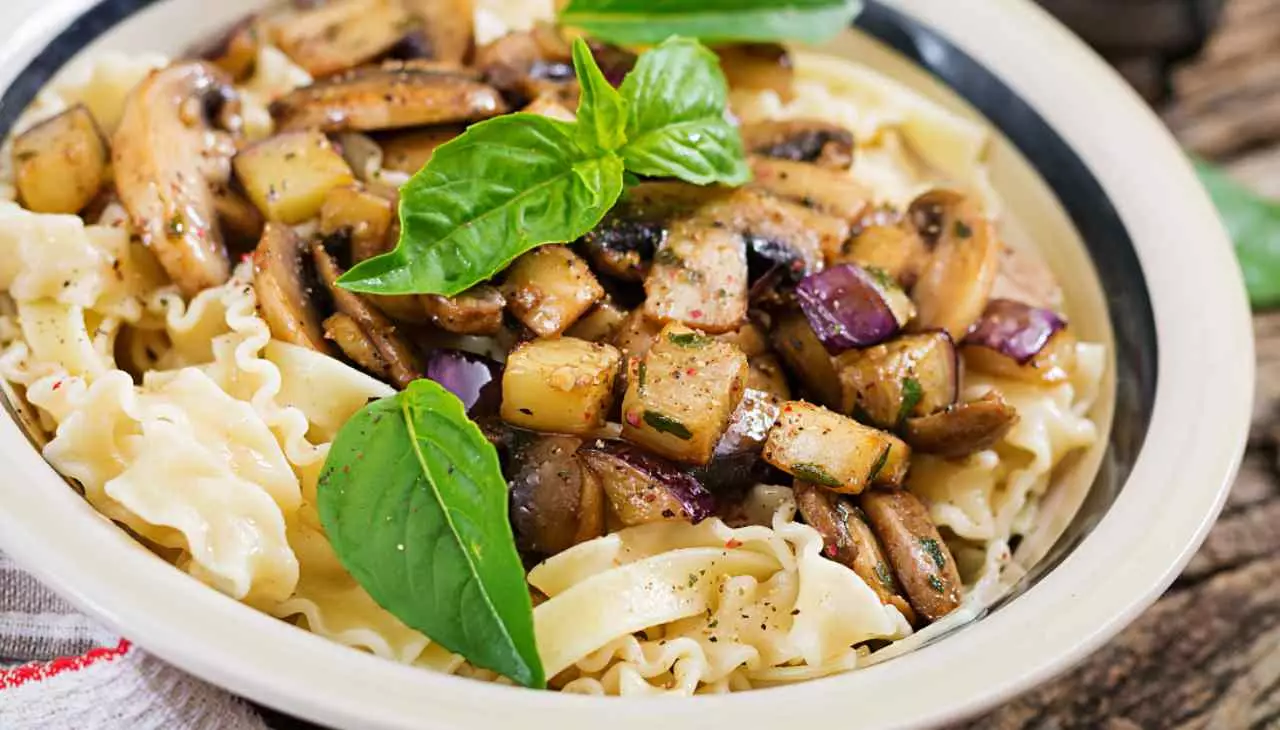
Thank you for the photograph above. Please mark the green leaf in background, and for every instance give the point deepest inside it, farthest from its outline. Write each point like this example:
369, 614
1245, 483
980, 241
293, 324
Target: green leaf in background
602, 112
503, 187
676, 126
413, 501
651, 21
1254, 224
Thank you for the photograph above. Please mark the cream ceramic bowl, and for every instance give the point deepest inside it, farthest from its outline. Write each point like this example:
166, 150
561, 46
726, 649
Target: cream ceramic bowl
1090, 178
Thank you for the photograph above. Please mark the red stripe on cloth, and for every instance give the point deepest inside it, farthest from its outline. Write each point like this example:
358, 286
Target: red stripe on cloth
38, 671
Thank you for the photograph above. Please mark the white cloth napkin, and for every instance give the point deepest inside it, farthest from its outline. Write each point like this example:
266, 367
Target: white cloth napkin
60, 671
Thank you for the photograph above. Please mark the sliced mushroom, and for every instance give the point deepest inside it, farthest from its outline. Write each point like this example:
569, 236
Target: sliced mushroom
556, 501
409, 152
758, 67
447, 28
530, 64
172, 146
801, 140
391, 96
242, 222
403, 364
956, 283
848, 540
832, 192
284, 285
476, 311
962, 429
795, 232
338, 35
919, 557
355, 344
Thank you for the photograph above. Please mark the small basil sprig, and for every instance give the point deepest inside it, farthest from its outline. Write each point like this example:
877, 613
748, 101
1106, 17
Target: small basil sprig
649, 21
413, 501
510, 184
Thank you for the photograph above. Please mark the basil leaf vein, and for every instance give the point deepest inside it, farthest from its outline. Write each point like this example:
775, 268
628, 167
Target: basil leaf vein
413, 501
651, 21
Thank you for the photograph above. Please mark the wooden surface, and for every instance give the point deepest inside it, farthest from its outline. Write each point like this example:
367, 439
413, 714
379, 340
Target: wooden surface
1208, 654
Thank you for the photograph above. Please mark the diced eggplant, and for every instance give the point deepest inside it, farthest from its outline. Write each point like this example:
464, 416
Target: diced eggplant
834, 452
637, 334
807, 358
556, 500
476, 311
403, 364
766, 374
962, 429
285, 287
833, 192
409, 152
289, 176
356, 345
561, 385
1024, 277
758, 67
476, 380
801, 140
601, 324
847, 539
549, 288
893, 470
391, 96
699, 278
736, 462
622, 247
1018, 341
749, 338
338, 35
920, 558
887, 241
447, 28
681, 395
954, 286
848, 306
641, 488
615, 62
60, 164
908, 377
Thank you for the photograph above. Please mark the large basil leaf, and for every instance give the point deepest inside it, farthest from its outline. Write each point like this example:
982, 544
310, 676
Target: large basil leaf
651, 21
503, 187
413, 501
1254, 224
602, 112
676, 125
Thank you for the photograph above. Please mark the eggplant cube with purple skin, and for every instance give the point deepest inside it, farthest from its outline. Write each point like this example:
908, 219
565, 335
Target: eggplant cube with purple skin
832, 451
562, 385
681, 394
849, 306
913, 375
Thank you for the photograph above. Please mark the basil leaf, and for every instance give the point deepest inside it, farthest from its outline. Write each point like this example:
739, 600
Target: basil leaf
676, 125
1254, 224
650, 21
414, 503
602, 112
503, 187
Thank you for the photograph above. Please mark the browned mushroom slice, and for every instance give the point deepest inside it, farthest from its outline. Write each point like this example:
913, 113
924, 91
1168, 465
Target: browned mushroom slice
242, 222
848, 540
556, 501
409, 152
338, 35
758, 67
699, 277
920, 559
284, 286
355, 344
166, 154
476, 311
954, 286
60, 163
403, 364
391, 96
962, 429
801, 140
833, 192
530, 64
447, 27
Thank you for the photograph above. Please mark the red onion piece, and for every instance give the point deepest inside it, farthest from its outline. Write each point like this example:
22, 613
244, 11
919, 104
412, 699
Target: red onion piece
1016, 330
847, 307
476, 380
644, 488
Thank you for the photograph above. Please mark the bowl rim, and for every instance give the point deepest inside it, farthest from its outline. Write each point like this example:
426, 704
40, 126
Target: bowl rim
1196, 436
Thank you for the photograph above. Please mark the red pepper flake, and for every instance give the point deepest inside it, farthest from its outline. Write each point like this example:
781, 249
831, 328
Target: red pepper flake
696, 314
57, 385
633, 418
691, 371
733, 543
829, 550
245, 257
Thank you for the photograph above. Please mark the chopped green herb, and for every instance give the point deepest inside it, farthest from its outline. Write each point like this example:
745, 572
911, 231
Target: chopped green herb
667, 257
885, 576
882, 277
666, 424
932, 547
936, 584
912, 394
642, 374
879, 465
691, 340
816, 474
177, 225
962, 230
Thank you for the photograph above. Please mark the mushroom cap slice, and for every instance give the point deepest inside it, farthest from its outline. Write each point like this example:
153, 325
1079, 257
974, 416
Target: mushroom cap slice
338, 35
954, 286
167, 154
921, 560
391, 96
962, 429
286, 295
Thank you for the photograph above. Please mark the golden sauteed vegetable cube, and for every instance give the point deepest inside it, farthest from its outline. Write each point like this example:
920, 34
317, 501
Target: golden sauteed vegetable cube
289, 176
561, 385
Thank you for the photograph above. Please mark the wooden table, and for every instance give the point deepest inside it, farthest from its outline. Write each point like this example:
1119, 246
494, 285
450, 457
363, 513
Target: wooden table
1208, 654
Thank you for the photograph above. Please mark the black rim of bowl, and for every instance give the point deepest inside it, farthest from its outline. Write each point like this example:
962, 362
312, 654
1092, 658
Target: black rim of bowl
1079, 192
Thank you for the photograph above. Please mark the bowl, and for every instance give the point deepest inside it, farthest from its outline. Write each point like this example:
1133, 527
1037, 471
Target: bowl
1090, 178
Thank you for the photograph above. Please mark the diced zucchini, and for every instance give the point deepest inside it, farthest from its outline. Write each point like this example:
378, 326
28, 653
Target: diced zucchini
60, 164
832, 451
913, 375
289, 176
766, 374
681, 394
805, 356
363, 216
549, 288
562, 385
601, 324
699, 278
